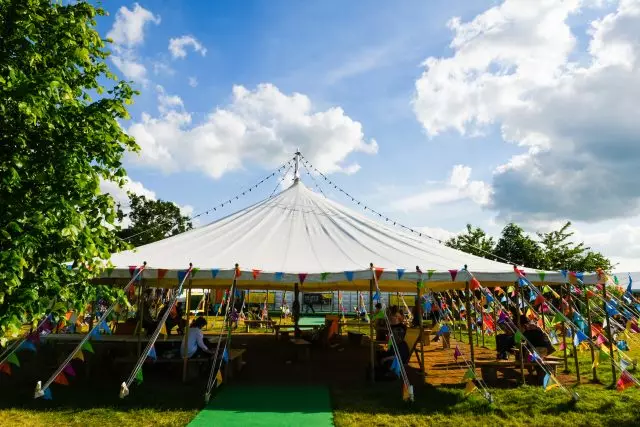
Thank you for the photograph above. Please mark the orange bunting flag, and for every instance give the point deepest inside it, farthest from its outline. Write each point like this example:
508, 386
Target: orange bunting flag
61, 379
238, 272
498, 290
474, 284
379, 272
405, 393
469, 388
625, 381
256, 274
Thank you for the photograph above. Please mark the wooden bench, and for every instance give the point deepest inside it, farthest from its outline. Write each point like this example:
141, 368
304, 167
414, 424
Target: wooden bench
490, 368
268, 324
303, 348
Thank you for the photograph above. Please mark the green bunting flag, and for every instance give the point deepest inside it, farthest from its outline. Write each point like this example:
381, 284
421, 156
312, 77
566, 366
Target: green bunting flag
546, 289
602, 355
469, 375
430, 273
420, 284
194, 270
541, 275
323, 276
13, 359
139, 375
557, 318
87, 346
517, 338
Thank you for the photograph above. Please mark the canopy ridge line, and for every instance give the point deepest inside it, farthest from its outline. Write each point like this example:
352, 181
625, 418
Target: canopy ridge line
218, 206
392, 340
41, 388
284, 175
124, 387
216, 366
396, 223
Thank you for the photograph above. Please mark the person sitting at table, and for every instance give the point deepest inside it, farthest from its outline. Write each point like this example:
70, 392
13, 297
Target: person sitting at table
536, 336
174, 318
197, 345
384, 358
380, 323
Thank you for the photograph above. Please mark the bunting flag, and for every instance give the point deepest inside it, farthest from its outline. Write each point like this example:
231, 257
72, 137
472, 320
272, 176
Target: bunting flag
46, 394
182, 274
152, 353
562, 346
6, 368
596, 363
539, 300
578, 338
238, 272
376, 296
218, 378
498, 290
456, 353
395, 366
517, 338
225, 355
629, 285
522, 282
564, 273
469, 375
400, 272
379, 272
615, 280
469, 388
474, 284
323, 276
302, 277
430, 273
132, 270
624, 364
349, 275
256, 274
453, 274
557, 318
79, 355
104, 327
625, 381
280, 275
13, 359
406, 395
161, 273
553, 337
549, 382
87, 346
61, 379
69, 370
622, 345
27, 345
139, 377
541, 275
389, 344
214, 272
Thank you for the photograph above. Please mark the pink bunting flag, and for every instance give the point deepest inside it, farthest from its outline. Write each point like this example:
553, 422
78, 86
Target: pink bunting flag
456, 353
453, 273
600, 340
69, 370
562, 346
302, 277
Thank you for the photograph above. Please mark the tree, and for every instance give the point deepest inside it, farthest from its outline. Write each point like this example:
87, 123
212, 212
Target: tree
514, 245
152, 220
56, 144
561, 253
474, 241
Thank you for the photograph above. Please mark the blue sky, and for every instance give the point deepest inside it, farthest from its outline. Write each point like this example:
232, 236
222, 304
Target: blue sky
464, 138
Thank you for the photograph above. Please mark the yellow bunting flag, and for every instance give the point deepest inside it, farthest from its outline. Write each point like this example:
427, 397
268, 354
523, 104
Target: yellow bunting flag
218, 378
79, 355
469, 388
596, 362
405, 393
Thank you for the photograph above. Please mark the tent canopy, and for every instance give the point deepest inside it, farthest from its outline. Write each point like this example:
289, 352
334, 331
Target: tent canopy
299, 236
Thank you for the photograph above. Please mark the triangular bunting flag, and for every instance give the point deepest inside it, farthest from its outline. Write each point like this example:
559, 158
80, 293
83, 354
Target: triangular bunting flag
376, 296
453, 274
541, 275
474, 284
539, 300
517, 338
13, 359
214, 272
549, 382
578, 338
469, 388
238, 272
69, 370
79, 355
279, 275
395, 366
456, 353
564, 273
469, 375
349, 275
46, 394
225, 355
132, 270
182, 274
323, 276
557, 318
218, 378
379, 272
6, 368
61, 379
400, 272
406, 395
27, 345
256, 274
161, 273
139, 377
625, 381
430, 273
152, 353
302, 277
194, 271
87, 346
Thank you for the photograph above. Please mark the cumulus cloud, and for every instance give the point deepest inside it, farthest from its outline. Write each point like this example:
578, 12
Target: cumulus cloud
127, 34
262, 127
574, 112
177, 46
458, 187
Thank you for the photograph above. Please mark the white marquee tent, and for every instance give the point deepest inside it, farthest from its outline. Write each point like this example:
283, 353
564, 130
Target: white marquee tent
299, 236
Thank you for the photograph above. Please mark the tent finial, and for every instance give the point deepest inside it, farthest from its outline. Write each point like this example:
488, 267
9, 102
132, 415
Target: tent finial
296, 172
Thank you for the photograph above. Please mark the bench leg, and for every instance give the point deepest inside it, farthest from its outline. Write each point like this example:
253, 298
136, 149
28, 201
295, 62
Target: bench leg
489, 375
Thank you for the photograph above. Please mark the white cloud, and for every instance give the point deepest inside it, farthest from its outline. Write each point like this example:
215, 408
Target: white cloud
260, 127
513, 65
458, 187
193, 82
178, 46
127, 34
162, 68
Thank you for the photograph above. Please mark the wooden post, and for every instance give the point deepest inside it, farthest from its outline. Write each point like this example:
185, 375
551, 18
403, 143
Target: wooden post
421, 334
594, 370
609, 334
564, 332
469, 332
140, 317
372, 338
185, 359
296, 310
332, 298
575, 347
519, 304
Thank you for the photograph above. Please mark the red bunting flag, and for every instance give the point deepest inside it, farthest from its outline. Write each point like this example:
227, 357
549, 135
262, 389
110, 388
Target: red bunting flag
625, 381
5, 368
539, 300
161, 273
238, 272
256, 274
379, 272
453, 273
132, 270
61, 379
302, 277
474, 284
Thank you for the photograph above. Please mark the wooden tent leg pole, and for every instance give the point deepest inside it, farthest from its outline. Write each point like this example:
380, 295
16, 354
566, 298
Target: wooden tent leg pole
140, 317
421, 335
575, 347
609, 334
564, 333
519, 302
469, 331
185, 358
594, 370
371, 346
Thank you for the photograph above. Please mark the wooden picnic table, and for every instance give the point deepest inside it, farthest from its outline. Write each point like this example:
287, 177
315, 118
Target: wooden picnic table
510, 368
269, 324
